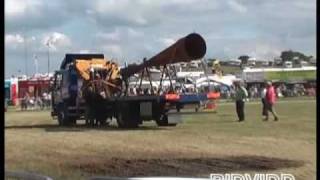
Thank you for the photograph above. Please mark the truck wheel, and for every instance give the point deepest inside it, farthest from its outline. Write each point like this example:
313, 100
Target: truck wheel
89, 116
72, 120
124, 122
172, 124
63, 118
102, 121
178, 109
163, 121
60, 118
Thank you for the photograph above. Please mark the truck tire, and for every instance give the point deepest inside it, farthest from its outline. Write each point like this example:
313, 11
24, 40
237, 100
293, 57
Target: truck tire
163, 121
73, 120
178, 108
103, 121
124, 122
89, 116
63, 118
124, 117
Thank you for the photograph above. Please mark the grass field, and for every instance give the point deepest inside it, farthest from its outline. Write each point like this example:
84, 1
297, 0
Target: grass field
205, 143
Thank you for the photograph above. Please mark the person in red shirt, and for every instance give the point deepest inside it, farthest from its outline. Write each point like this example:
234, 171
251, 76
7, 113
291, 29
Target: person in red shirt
270, 101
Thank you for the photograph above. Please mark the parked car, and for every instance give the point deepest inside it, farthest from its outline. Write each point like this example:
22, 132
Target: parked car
194, 64
288, 64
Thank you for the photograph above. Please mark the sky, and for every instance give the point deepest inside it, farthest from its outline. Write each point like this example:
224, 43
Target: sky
129, 30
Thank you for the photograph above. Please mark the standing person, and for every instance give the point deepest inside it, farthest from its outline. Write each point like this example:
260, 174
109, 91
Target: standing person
49, 99
270, 101
255, 89
45, 99
240, 97
263, 100
25, 100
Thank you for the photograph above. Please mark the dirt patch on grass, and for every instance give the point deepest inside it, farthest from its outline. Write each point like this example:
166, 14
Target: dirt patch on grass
193, 167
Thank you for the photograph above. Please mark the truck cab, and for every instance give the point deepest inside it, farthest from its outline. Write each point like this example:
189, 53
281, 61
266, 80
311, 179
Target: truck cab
66, 100
68, 104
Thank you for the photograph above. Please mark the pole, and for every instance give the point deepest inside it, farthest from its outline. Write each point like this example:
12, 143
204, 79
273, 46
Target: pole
48, 44
25, 55
36, 63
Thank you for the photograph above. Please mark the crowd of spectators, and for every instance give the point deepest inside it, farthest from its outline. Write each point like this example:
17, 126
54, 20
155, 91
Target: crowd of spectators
35, 102
254, 91
282, 90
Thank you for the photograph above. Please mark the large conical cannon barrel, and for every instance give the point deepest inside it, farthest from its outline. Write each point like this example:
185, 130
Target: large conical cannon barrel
191, 47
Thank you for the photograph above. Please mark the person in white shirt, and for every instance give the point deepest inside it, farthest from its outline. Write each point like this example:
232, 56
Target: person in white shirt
263, 100
49, 99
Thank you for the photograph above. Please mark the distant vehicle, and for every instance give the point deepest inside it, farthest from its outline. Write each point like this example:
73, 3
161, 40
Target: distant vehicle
190, 74
277, 61
194, 64
187, 82
304, 63
226, 80
313, 61
184, 65
234, 62
252, 63
288, 64
265, 63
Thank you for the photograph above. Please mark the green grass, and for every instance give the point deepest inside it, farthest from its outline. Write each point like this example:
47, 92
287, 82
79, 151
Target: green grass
204, 143
230, 69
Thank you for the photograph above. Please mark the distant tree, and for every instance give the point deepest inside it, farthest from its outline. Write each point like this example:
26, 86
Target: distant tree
244, 60
210, 61
290, 55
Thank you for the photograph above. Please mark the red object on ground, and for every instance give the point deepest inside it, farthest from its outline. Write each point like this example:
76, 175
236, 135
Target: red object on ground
211, 105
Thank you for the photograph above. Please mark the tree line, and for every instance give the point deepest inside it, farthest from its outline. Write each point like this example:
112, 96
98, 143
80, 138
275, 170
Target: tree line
287, 55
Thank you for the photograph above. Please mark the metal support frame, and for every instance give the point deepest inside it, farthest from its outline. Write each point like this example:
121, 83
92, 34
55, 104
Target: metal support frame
165, 71
146, 69
205, 73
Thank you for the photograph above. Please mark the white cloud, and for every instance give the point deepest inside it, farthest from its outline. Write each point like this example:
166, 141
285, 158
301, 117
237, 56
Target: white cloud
84, 51
56, 40
167, 41
15, 7
112, 50
13, 39
113, 36
237, 6
14, 42
134, 33
142, 28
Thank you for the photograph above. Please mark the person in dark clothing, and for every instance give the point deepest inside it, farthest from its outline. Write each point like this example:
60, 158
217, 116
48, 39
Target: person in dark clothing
263, 100
240, 98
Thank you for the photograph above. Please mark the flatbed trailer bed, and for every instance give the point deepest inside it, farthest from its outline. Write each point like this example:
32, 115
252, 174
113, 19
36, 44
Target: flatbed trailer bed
193, 100
130, 111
